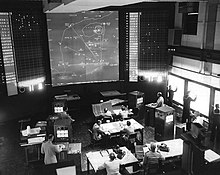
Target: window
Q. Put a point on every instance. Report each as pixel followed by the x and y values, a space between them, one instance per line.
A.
pixel 190 17
pixel 178 83
pixel 190 21
pixel 203 97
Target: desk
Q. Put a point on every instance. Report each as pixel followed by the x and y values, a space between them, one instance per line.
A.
pixel 175 146
pixel 116 127
pixel 176 149
pixel 97 158
pixel 111 93
pixel 32 151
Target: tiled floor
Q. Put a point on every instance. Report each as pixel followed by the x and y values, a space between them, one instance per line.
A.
pixel 12 157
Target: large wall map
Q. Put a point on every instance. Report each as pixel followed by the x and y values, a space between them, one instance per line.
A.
pixel 83 47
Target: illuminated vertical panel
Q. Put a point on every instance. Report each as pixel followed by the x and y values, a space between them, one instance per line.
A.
pixel 8 54
pixel 203 97
pixel 178 83
pixel 217 97
pixel 133 46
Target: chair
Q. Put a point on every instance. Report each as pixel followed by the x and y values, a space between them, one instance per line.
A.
pixel 132 141
pixel 132 137
pixel 93 141
pixel 152 166
pixel 139 152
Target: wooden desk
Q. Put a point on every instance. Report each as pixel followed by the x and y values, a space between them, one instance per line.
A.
pixel 97 158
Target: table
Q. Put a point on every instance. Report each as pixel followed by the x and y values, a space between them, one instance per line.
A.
pixel 117 127
pixel 97 158
pixel 175 146
pixel 111 93
pixel 176 149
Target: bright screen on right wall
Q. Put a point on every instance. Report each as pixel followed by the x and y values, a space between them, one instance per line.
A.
pixel 217 97
pixel 178 83
pixel 203 97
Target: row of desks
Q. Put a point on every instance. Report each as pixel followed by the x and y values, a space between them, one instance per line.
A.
pixel 97 158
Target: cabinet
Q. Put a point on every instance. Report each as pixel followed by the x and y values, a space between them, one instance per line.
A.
pixel 135 99
pixel 164 123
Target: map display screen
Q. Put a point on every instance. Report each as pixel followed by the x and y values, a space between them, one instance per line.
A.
pixel 83 47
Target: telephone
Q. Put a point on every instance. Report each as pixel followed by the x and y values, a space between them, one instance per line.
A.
pixel 163 147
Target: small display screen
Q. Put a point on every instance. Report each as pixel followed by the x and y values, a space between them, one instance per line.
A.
pixel 62 133
pixel 58 109
pixel 140 100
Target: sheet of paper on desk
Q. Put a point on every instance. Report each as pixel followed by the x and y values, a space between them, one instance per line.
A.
pixel 104 153
pixel 96 154
pixel 66 170
pixel 110 151
pixel 211 156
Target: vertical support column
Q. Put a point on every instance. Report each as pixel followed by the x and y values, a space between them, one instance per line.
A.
pixel 211 25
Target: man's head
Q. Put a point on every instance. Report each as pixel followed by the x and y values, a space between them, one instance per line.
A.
pixel 112 156
pixel 128 123
pixel 99 122
pixel 123 108
pixel 105 110
pixel 50 137
pixel 217 105
pixel 152 146
pixel 159 94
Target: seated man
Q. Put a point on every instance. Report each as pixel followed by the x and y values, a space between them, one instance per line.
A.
pixel 112 165
pixel 129 129
pixel 107 116
pixel 97 131
pixel 152 157
pixel 123 114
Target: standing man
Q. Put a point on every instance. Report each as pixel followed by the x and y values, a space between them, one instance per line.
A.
pixel 186 110
pixel 49 150
pixel 215 122
pixel 170 94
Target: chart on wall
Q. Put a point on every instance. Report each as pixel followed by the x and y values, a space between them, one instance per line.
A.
pixel 83 47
